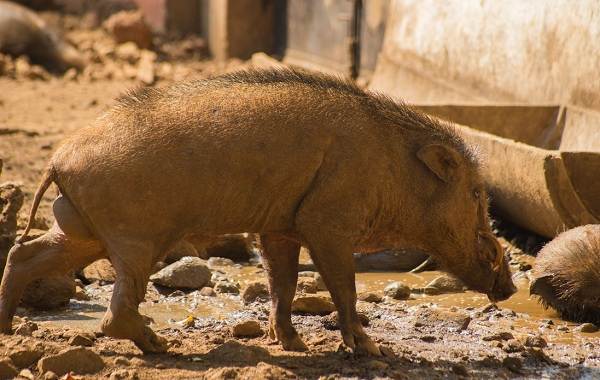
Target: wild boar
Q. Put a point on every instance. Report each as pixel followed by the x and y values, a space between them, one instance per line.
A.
pixel 566 274
pixel 300 158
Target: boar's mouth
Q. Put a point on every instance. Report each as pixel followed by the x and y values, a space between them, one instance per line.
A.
pixel 499 259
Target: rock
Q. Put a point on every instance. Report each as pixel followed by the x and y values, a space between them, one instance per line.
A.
pixel 316 305
pixel 180 250
pixel 370 297
pixel 128 26
pixel 535 341
pixel 50 376
pixel 145 71
pixel 246 329
pixel 318 278
pixel 26 374
pixel 50 292
pixel 219 262
pixel 122 374
pixel 436 319
pixel 128 52
pixel 81 340
pixel 444 284
pixel 25 357
pixel 100 270
pixel 513 345
pixel 26 328
pixel 256 291
pixel 587 328
pixel 306 285
pixel 504 335
pixel 331 321
pixel 7 369
pixel 228 287
pixel 397 291
pixel 77 360
pixel 121 361
pixel 208 292
pixel 187 273
pixel 80 294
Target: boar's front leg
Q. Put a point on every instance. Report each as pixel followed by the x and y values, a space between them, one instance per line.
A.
pixel 280 257
pixel 132 261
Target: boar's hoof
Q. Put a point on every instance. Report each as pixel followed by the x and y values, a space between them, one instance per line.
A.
pixel 294 344
pixel 361 345
pixel 152 343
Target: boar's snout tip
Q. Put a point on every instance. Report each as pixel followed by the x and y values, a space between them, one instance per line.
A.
pixel 502 294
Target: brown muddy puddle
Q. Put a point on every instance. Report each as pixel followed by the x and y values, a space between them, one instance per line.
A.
pixel 171 311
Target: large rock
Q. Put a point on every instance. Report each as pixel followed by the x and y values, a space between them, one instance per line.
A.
pixel 77 360
pixel 187 273
pixel 24 357
pixel 128 26
pixel 100 270
pixel 49 292
pixel 444 284
pixel 316 305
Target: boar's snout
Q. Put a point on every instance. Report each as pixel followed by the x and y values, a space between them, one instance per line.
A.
pixel 503 286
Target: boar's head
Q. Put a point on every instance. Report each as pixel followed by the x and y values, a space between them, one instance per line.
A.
pixel 458 231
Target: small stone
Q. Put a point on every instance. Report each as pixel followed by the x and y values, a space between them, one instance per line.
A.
pixel 307 285
pixel 187 273
pixel 123 374
pixel 513 364
pixel 26 328
pixel 377 365
pixel 428 338
pixel 81 340
pixel 77 360
pixel 129 26
pixel 247 329
pixel 26 374
pixel 318 278
pixel 7 369
pixel 513 345
pixel 121 361
pixel 208 292
pixel 587 328
pixel 504 335
pixel 128 51
pixel 443 285
pixel 331 322
pixel 315 305
pixel 219 262
pixel 256 292
pixel 49 292
pixel 50 376
pixel 535 341
pixel 228 287
pixel 370 297
pixel 25 357
pixel 397 290
pixel 100 270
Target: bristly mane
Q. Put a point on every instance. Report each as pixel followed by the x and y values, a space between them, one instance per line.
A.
pixel 395 111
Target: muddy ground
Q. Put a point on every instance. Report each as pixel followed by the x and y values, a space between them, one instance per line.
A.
pixel 441 336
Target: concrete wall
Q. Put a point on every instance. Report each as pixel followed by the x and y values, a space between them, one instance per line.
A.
pixel 533 51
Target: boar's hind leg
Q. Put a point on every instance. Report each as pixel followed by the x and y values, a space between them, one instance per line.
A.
pixel 51 253
pixel 280 257
pixel 132 262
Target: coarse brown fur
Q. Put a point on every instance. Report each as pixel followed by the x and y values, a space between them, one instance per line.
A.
pixel 566 274
pixel 300 158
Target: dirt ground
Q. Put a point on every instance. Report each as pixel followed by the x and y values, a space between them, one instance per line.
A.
pixel 425 337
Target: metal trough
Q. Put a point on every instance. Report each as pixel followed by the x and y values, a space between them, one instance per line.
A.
pixel 541 163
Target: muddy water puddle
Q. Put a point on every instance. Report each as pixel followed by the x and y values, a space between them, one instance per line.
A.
pixel 171 310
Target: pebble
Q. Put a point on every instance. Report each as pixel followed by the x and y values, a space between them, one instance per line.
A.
pixel 122 374
pixel 26 328
pixel 307 285
pixel 208 292
pixel 316 305
pixel 587 328
pixel 77 360
pixel 187 273
pixel 81 340
pixel 228 287
pixel 444 284
pixel 397 290
pixel 121 361
pixel 247 329
pixel 513 345
pixel 370 297
pixel 318 278
pixel 256 292
pixel 535 341
pixel 331 322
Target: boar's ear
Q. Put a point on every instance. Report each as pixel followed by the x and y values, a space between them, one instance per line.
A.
pixel 441 160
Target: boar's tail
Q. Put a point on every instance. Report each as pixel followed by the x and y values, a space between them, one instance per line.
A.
pixel 47 180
